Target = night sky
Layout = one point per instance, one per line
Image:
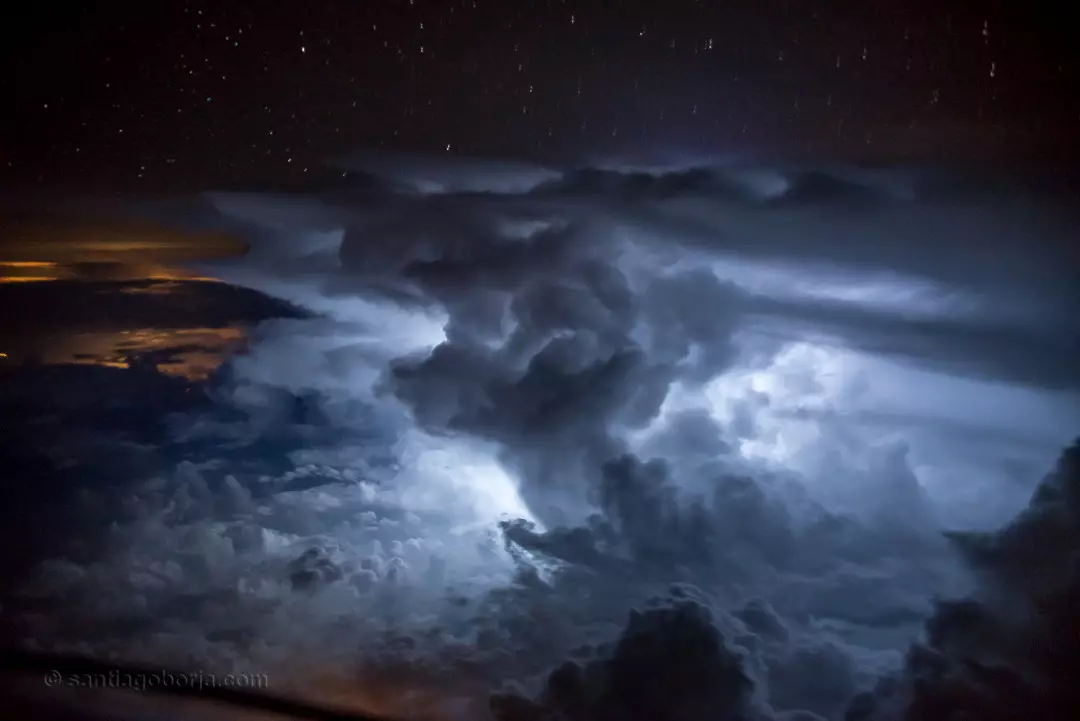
(172, 94)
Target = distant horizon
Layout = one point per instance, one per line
(1011, 161)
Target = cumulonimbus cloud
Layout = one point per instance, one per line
(604, 421)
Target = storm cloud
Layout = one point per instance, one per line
(609, 443)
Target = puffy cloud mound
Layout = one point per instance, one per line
(669, 663)
(741, 542)
(1010, 651)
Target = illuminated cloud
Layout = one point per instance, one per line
(554, 424)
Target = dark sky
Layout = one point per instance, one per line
(176, 94)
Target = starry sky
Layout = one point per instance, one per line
(186, 93)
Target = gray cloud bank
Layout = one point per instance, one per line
(692, 439)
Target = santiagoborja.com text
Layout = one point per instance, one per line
(144, 681)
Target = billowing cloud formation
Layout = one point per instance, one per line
(608, 443)
(1009, 651)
